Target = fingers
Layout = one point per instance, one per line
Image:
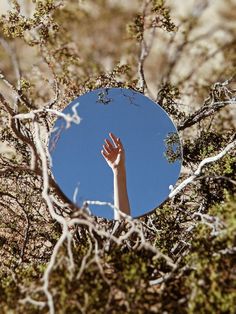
(111, 148)
(106, 149)
(105, 155)
(109, 144)
(116, 140)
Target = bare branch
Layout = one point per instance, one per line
(205, 112)
(199, 169)
(212, 104)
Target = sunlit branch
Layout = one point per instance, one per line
(67, 117)
(65, 234)
(199, 169)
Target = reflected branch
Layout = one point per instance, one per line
(103, 97)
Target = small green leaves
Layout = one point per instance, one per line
(173, 147)
(163, 15)
(136, 28)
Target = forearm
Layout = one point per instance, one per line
(121, 200)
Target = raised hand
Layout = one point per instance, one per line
(114, 153)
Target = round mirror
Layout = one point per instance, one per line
(125, 151)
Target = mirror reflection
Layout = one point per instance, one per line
(125, 151)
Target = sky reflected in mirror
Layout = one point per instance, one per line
(150, 140)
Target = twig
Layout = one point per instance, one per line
(204, 112)
(199, 169)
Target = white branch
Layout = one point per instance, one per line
(67, 117)
(199, 169)
(65, 234)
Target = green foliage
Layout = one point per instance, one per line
(167, 97)
(136, 28)
(203, 282)
(10, 287)
(155, 15)
(15, 25)
(25, 84)
(173, 147)
(215, 177)
(212, 258)
(205, 145)
(163, 15)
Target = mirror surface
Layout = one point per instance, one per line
(150, 142)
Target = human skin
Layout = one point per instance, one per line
(114, 154)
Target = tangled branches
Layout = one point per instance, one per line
(56, 257)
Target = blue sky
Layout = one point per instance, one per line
(142, 127)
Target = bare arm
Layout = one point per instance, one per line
(114, 155)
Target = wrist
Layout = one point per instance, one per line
(119, 170)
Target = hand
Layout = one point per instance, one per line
(114, 153)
